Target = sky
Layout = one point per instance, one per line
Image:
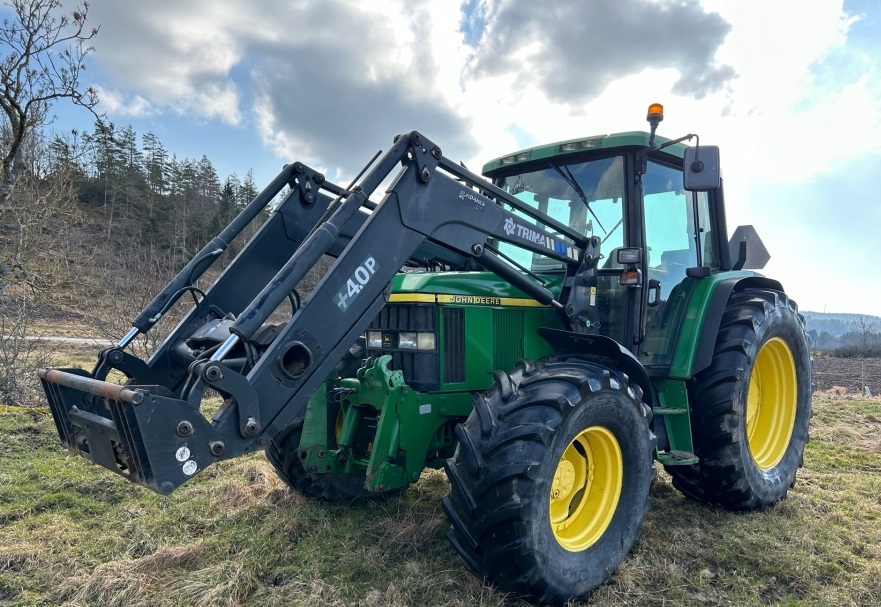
(789, 90)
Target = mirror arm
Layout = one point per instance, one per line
(642, 156)
(680, 140)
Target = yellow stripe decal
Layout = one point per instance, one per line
(473, 300)
(412, 298)
(482, 300)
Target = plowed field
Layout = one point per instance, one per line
(854, 374)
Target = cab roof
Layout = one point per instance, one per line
(579, 146)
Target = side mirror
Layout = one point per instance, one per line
(702, 170)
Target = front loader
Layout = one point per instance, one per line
(544, 332)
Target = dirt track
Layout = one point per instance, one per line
(850, 373)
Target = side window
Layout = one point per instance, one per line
(709, 254)
(669, 227)
(675, 240)
(677, 231)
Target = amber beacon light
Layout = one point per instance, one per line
(655, 113)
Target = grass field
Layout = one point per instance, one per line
(74, 534)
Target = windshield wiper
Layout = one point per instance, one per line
(569, 178)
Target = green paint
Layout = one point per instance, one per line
(495, 338)
(630, 139)
(674, 410)
(315, 421)
(484, 284)
(693, 321)
(413, 430)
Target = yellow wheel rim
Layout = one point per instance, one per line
(771, 403)
(586, 489)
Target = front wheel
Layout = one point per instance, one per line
(751, 407)
(283, 454)
(551, 478)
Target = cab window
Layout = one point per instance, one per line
(587, 196)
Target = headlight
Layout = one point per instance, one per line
(374, 339)
(407, 341)
(425, 341)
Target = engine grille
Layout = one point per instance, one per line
(454, 345)
(420, 368)
(507, 338)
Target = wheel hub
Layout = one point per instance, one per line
(585, 489)
(564, 480)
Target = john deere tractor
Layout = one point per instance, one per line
(544, 333)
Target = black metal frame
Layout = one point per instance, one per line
(435, 212)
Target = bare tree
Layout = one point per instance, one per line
(865, 326)
(20, 357)
(42, 62)
(32, 224)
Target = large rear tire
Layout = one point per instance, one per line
(551, 478)
(751, 407)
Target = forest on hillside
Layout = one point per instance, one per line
(111, 191)
(79, 208)
(96, 225)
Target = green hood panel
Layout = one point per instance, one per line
(484, 284)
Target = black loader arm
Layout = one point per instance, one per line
(152, 430)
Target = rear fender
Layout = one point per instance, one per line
(703, 317)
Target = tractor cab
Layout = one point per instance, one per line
(656, 238)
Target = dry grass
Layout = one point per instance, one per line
(73, 534)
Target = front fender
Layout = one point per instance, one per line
(604, 349)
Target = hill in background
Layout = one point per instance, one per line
(846, 334)
(837, 324)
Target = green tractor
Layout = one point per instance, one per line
(543, 333)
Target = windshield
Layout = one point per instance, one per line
(585, 195)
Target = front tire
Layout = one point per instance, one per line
(751, 407)
(284, 450)
(283, 454)
(551, 478)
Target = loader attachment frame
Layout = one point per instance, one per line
(435, 213)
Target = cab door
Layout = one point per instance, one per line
(680, 248)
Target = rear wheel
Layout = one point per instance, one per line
(551, 478)
(751, 407)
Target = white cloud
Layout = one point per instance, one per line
(777, 85)
(313, 78)
(573, 50)
(175, 55)
(779, 108)
(308, 67)
(771, 119)
(117, 103)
